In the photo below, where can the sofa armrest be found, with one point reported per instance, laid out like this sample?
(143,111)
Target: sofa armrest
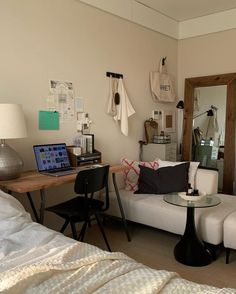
(206,180)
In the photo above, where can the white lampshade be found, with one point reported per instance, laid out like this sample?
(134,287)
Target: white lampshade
(12,122)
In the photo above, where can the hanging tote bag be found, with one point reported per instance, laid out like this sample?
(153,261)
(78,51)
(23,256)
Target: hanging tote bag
(161,85)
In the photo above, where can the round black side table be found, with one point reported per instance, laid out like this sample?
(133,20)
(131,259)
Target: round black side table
(190,250)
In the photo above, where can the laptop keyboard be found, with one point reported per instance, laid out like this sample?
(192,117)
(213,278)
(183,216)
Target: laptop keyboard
(61,170)
(66,172)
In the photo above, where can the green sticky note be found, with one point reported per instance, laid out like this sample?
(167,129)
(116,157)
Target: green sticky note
(48,120)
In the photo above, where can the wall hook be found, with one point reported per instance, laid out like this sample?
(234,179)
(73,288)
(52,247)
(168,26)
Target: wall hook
(163,60)
(114,75)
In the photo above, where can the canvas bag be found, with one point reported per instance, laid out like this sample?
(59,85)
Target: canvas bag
(161,85)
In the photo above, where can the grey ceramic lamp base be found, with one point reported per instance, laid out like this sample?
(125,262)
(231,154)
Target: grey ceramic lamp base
(11,164)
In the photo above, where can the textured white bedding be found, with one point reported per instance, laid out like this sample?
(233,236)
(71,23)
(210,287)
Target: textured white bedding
(34,259)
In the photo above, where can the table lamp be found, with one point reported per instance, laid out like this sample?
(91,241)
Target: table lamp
(180,104)
(208,112)
(12,125)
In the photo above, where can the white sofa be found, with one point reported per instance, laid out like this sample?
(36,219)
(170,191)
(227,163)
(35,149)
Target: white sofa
(229,234)
(152,210)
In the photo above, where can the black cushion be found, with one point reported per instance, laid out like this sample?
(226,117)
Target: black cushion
(163,180)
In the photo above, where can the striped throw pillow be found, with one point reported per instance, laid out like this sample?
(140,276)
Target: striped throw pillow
(131,175)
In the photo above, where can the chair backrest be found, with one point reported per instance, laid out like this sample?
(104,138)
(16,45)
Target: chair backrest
(91,180)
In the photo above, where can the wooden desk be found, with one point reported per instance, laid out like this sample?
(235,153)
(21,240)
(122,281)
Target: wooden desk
(30,181)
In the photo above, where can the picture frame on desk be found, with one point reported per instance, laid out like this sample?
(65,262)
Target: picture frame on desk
(168,121)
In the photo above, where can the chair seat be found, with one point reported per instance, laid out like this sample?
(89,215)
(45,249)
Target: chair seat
(81,208)
(74,208)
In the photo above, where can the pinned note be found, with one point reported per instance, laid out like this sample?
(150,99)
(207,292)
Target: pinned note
(48,120)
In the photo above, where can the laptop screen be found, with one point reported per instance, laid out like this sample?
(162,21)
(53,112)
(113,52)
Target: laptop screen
(51,156)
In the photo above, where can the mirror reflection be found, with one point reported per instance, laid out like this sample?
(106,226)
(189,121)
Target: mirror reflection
(208,136)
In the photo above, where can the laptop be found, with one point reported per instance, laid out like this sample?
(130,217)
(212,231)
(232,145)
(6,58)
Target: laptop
(53,160)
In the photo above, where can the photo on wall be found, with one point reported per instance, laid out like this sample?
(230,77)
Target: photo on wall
(168,121)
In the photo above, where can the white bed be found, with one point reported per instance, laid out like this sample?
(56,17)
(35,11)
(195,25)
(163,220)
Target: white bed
(34,259)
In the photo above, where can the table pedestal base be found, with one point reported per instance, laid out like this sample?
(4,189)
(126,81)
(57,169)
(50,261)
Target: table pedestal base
(190,250)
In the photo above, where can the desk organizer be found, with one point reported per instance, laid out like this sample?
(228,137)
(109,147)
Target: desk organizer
(85,158)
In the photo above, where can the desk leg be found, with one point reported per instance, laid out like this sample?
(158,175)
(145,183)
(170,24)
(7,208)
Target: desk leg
(190,250)
(31,204)
(33,207)
(120,206)
(42,205)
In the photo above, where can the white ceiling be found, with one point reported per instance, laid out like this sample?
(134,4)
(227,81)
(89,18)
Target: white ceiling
(181,10)
(179,19)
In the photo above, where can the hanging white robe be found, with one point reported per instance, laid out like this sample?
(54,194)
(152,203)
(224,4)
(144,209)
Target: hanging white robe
(123,110)
(111,108)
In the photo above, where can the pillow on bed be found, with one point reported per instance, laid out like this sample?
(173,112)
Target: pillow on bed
(192,168)
(131,175)
(163,180)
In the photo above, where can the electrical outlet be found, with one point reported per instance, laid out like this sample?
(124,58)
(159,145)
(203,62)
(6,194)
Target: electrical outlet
(156,114)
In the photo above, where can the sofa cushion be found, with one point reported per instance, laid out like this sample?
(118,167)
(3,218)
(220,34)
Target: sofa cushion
(206,181)
(192,169)
(230,231)
(131,176)
(148,209)
(211,220)
(163,180)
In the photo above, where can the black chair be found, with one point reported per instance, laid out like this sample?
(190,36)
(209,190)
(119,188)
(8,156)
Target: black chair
(81,208)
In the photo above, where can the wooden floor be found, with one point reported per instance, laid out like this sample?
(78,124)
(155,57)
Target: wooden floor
(154,248)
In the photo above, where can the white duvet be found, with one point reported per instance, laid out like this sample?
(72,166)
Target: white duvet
(34,259)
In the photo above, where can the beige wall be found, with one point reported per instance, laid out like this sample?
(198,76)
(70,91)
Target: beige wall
(68,40)
(206,55)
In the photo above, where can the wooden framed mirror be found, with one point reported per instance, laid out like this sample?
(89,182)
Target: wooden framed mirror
(229,140)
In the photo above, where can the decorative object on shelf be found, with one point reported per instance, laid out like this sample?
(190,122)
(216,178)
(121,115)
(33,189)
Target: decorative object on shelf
(162,139)
(192,197)
(161,84)
(151,130)
(12,126)
(85,143)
